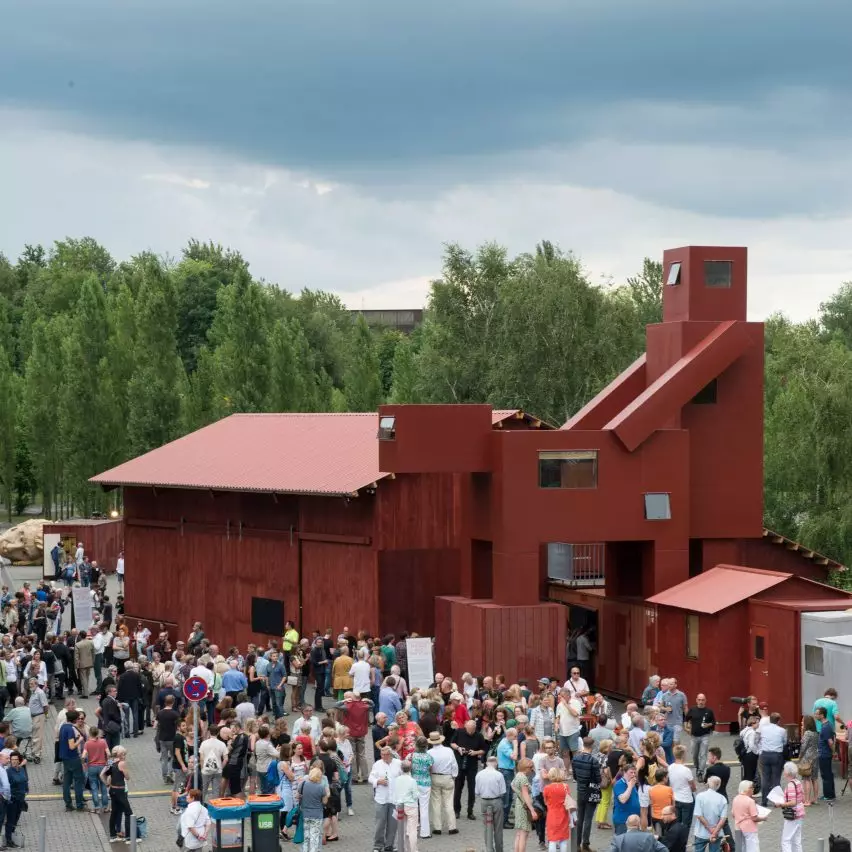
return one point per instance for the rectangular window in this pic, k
(267, 616)
(387, 428)
(813, 660)
(717, 273)
(691, 636)
(568, 469)
(657, 507)
(673, 277)
(759, 649)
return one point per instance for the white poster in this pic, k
(82, 601)
(421, 673)
(50, 541)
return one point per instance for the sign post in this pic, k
(195, 690)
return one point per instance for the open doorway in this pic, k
(582, 642)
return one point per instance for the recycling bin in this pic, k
(228, 815)
(265, 822)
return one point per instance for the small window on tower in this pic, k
(717, 273)
(674, 275)
(387, 428)
(657, 507)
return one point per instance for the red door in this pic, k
(759, 639)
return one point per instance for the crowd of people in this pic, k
(436, 750)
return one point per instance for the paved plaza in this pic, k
(86, 832)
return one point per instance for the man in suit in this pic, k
(111, 717)
(634, 840)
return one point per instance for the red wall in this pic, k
(102, 540)
(783, 657)
(721, 670)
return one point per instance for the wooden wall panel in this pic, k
(103, 540)
(783, 650)
(337, 516)
(339, 587)
(409, 582)
(209, 578)
(418, 511)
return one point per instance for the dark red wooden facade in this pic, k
(103, 538)
(334, 561)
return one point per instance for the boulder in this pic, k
(24, 543)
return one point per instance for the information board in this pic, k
(421, 673)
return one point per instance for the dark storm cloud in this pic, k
(371, 91)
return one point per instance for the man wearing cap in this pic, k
(444, 771)
(491, 790)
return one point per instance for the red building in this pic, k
(481, 526)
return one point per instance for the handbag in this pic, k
(292, 680)
(594, 796)
(569, 804)
(806, 768)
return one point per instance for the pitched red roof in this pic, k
(280, 453)
(720, 587)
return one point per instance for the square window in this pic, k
(657, 507)
(717, 273)
(568, 469)
(759, 647)
(691, 636)
(387, 428)
(813, 660)
(674, 275)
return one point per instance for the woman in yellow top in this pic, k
(341, 680)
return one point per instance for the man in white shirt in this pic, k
(204, 673)
(627, 715)
(576, 685)
(382, 777)
(308, 725)
(212, 753)
(682, 782)
(490, 790)
(444, 770)
(79, 555)
(359, 671)
(99, 643)
(119, 572)
(568, 714)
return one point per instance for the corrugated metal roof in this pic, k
(282, 453)
(717, 589)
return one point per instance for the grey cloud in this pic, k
(356, 89)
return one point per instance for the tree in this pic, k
(85, 405)
(363, 387)
(646, 291)
(405, 384)
(42, 403)
(154, 388)
(241, 352)
(8, 430)
(388, 341)
(291, 380)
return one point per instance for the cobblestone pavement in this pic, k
(86, 832)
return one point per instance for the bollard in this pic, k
(820, 844)
(133, 844)
(42, 834)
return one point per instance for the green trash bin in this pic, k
(265, 814)
(228, 829)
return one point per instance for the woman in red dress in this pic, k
(557, 827)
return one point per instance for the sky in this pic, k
(339, 144)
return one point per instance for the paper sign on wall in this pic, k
(421, 673)
(81, 598)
